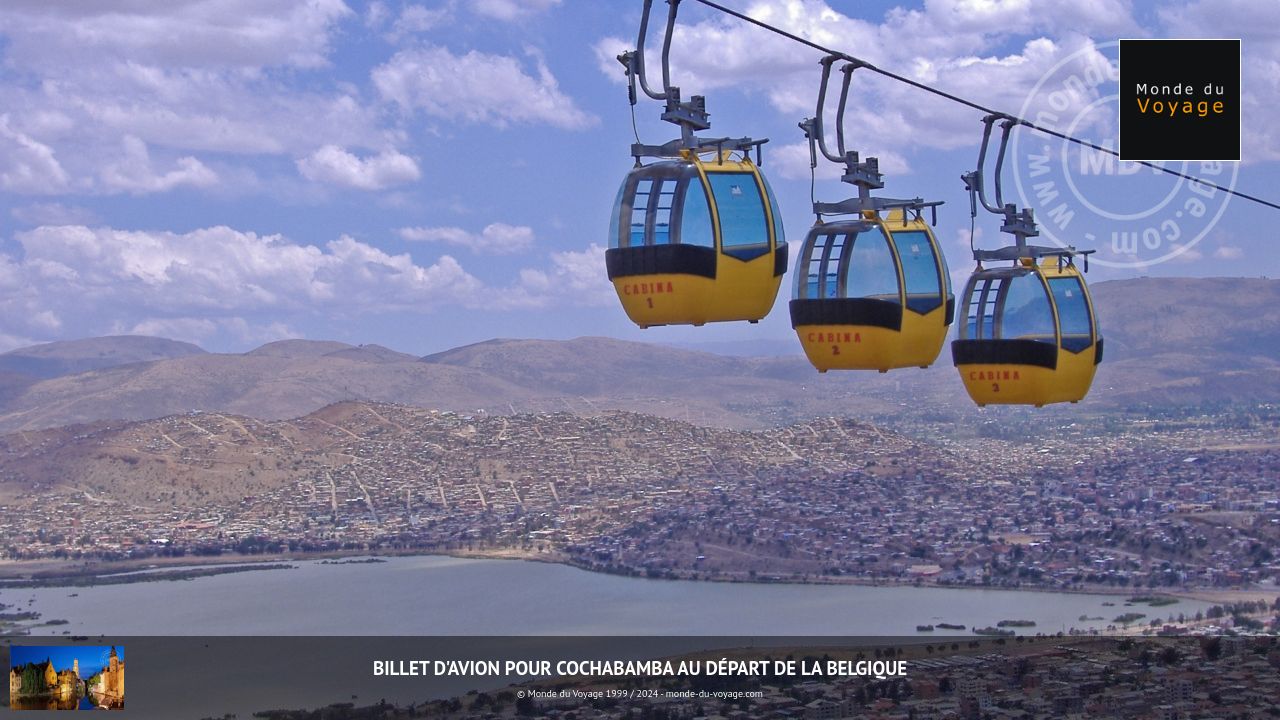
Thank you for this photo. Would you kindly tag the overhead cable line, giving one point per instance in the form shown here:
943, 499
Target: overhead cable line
863, 64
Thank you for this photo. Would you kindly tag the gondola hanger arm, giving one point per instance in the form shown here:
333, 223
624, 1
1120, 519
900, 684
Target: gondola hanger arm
633, 60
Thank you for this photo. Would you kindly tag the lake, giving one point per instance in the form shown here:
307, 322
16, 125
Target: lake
437, 595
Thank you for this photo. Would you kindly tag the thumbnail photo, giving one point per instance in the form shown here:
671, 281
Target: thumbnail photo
66, 677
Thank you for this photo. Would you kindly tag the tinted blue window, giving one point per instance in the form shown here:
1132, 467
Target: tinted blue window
831, 274
695, 218
1026, 313
808, 272
872, 273
1073, 311
639, 209
979, 310
742, 219
919, 264
666, 194
815, 267
615, 224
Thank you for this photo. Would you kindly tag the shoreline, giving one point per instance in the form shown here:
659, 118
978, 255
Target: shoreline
49, 571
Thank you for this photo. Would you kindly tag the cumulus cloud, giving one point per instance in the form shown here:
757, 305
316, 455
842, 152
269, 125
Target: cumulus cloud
376, 14
192, 330
13, 342
331, 164
791, 162
1185, 253
494, 239
85, 280
414, 19
75, 281
134, 172
509, 10
477, 87
199, 330
174, 79
574, 277
240, 33
26, 165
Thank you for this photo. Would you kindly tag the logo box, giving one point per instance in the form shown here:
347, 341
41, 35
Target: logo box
1180, 100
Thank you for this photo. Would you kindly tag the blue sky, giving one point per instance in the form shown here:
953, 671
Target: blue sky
428, 174
92, 658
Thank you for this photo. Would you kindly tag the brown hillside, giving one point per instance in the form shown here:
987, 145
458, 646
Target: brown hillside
75, 356
1169, 341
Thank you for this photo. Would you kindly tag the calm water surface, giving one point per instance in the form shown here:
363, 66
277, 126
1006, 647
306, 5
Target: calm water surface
435, 595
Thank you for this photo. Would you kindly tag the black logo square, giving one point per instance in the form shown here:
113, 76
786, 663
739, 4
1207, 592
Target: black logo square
1180, 100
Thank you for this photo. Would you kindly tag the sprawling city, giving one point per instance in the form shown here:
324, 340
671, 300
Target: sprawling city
1169, 505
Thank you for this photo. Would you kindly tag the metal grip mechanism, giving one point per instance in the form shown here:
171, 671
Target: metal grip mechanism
813, 127
1020, 224
633, 60
692, 115
863, 174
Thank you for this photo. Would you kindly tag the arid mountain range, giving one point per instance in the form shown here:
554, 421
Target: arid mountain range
1169, 342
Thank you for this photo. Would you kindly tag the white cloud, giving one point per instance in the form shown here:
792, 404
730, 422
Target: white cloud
791, 162
13, 342
199, 330
416, 19
85, 281
220, 282
477, 87
494, 239
133, 172
509, 10
182, 78
200, 110
27, 165
232, 33
376, 14
53, 214
331, 164
1185, 253
1228, 252
192, 330
575, 277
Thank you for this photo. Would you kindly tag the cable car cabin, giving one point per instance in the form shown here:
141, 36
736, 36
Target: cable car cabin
695, 241
1029, 336
872, 294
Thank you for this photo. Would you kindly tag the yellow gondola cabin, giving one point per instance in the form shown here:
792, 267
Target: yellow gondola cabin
1029, 335
872, 294
696, 240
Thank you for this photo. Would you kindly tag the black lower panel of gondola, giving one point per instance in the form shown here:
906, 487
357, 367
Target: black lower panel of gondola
847, 311
660, 260
1005, 352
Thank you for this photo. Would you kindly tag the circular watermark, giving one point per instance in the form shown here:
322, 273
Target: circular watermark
1134, 215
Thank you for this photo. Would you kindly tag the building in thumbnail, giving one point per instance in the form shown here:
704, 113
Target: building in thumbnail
69, 684
110, 687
